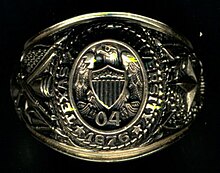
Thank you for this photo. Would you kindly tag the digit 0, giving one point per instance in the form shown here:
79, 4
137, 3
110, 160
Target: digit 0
101, 119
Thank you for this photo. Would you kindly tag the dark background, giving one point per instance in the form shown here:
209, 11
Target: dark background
198, 151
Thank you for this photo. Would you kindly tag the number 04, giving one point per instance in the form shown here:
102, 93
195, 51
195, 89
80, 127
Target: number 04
102, 119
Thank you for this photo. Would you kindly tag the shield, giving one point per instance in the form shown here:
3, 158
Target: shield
108, 84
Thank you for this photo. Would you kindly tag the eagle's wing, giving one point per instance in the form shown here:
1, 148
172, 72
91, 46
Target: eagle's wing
135, 83
81, 83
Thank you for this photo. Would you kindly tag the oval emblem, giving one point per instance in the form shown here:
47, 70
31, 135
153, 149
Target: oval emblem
108, 86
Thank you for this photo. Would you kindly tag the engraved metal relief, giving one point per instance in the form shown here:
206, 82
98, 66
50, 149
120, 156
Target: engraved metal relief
108, 86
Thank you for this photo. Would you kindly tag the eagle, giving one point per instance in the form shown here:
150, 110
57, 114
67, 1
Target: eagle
108, 54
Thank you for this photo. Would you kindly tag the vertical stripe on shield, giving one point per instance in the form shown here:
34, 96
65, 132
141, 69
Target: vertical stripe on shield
114, 83
105, 90
100, 94
109, 101
117, 89
108, 90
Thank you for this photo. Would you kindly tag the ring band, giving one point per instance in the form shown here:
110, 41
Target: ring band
108, 86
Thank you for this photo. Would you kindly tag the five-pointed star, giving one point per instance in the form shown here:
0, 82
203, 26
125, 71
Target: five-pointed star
79, 130
188, 82
137, 129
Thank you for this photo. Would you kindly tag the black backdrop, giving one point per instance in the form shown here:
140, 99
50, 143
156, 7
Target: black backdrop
198, 151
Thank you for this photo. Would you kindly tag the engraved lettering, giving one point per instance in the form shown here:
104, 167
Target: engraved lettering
101, 119
63, 99
124, 137
153, 99
150, 65
109, 85
89, 136
64, 71
99, 139
153, 77
70, 118
63, 84
154, 89
114, 119
111, 140
66, 107
146, 117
